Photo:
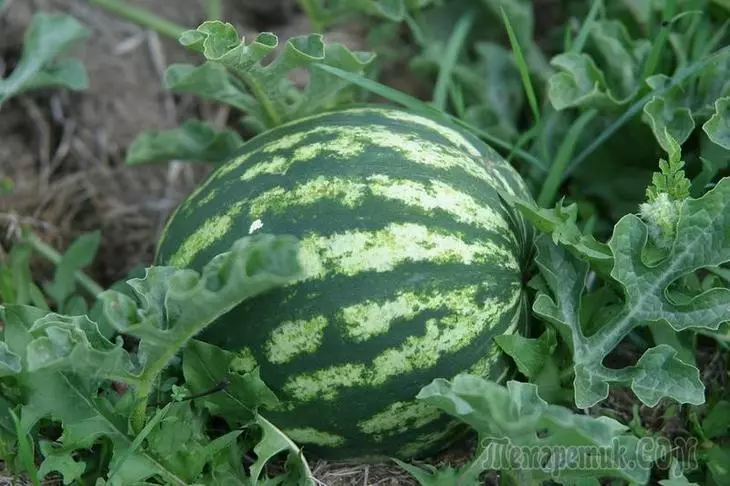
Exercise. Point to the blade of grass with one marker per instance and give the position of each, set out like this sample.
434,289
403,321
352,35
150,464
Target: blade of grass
213,9
137,442
314,13
679,78
143,18
524,138
419,106
660,41
522,66
562,158
453,48
587,26
456,95
26,451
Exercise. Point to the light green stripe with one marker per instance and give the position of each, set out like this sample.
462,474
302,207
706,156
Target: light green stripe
211,231
244,362
351,193
309,435
451,334
293,338
352,252
399,417
351,141
448,133
364,320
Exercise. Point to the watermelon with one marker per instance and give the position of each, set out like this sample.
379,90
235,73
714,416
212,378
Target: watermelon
412,262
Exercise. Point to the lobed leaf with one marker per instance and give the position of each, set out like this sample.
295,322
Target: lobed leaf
514,423
561,224
277,100
717,127
206,367
667,114
61,362
700,241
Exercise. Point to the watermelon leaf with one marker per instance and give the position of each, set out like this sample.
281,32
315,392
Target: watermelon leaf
206,366
209,80
560,223
666,114
47,36
528,354
445,476
192,141
61,361
274,442
717,127
609,79
699,241
278,100
513,423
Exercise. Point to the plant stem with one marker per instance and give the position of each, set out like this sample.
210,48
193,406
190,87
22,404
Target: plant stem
562,159
453,48
141,17
213,10
313,13
50,254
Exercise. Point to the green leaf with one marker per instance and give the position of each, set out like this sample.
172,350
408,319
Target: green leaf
666,114
608,77
65,359
61,461
529,354
717,422
74,343
181,444
17,282
495,84
522,65
192,141
699,242
274,442
579,83
47,36
717,127
621,57
78,255
561,224
72,400
209,80
172,305
278,100
206,366
9,361
446,476
675,476
513,420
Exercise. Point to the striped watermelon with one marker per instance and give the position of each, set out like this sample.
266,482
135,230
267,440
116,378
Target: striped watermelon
412,264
